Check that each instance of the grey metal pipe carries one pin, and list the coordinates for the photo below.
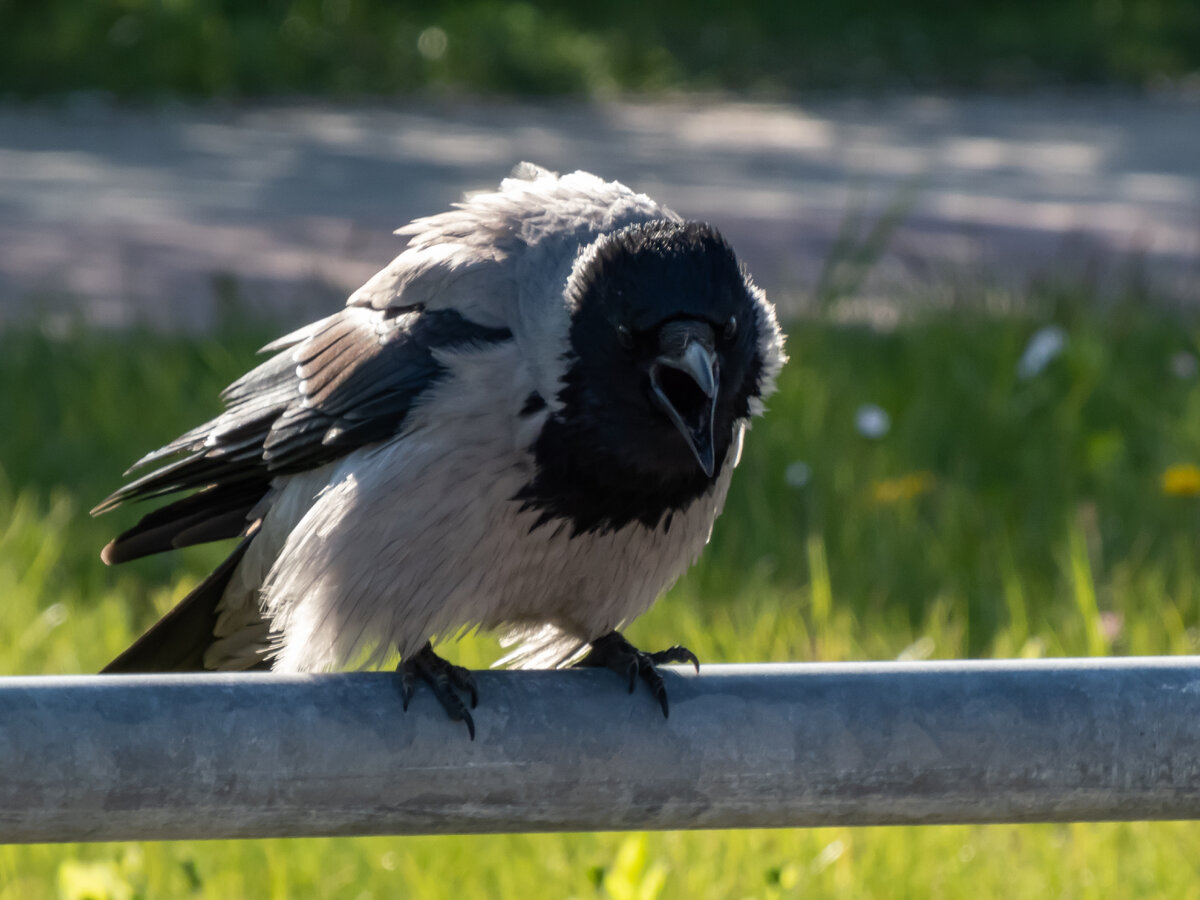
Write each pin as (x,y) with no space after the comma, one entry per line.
(228,756)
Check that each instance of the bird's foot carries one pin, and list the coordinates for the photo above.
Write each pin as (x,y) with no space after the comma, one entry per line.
(446,680)
(614,652)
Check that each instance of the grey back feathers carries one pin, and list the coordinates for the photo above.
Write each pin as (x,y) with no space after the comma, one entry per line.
(471,442)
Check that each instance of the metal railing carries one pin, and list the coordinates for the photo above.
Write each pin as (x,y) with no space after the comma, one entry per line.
(241,756)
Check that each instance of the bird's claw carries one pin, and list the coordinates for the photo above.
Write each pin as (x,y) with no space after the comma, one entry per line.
(446,681)
(676,654)
(613,651)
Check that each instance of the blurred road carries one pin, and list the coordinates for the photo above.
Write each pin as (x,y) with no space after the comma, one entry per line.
(149,215)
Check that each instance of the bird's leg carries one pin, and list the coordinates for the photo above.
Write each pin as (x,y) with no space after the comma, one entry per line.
(446,680)
(614,652)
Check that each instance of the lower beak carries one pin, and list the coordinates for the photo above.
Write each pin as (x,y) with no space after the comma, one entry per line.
(685,386)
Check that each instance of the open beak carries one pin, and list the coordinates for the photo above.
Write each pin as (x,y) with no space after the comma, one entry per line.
(685,386)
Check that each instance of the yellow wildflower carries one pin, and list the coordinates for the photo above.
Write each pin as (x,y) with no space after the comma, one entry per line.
(1181,480)
(894,490)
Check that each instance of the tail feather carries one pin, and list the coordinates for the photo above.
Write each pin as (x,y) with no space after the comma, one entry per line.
(177,642)
(213,514)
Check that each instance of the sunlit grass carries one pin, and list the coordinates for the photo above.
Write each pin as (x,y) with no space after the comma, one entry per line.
(1001,514)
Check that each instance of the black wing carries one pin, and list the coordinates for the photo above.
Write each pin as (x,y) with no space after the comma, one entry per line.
(177,642)
(337,385)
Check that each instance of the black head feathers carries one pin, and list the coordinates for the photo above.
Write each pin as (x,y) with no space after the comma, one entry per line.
(616,452)
(645,274)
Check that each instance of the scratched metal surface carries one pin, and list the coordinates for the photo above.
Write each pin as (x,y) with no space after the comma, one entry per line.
(227,756)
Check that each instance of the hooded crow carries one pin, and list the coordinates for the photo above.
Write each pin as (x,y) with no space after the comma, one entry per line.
(527,421)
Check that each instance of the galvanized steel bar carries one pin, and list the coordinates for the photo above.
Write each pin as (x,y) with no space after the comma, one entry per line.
(239,756)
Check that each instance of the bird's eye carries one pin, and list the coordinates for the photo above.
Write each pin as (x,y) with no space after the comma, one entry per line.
(625,336)
(730,328)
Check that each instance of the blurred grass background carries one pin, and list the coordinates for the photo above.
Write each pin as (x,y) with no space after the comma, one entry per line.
(999,514)
(1008,509)
(205,48)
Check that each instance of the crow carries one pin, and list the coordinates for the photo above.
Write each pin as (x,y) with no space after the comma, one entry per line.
(527,421)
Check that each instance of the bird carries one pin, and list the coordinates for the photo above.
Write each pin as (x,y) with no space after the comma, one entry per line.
(526,422)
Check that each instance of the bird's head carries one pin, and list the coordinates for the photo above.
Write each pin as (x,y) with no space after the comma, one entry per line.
(671,345)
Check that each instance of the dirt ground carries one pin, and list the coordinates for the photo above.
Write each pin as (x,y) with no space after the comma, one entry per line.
(154,215)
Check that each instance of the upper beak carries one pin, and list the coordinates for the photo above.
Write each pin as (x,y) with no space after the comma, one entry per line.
(685,384)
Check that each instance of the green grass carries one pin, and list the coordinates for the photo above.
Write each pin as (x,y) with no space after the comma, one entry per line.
(999,516)
(204,48)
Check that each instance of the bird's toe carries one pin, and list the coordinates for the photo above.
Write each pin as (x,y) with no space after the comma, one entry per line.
(676,654)
(613,651)
(445,679)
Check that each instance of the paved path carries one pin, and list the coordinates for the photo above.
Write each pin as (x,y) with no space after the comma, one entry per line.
(142,215)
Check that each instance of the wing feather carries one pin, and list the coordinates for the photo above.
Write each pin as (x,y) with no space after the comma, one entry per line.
(362,374)
(492,265)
